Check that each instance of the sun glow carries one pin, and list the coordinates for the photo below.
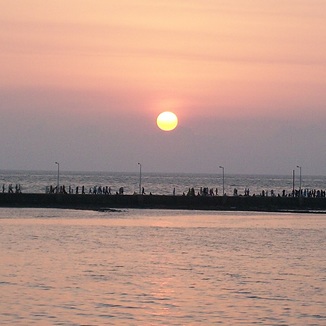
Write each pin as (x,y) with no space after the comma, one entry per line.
(167,121)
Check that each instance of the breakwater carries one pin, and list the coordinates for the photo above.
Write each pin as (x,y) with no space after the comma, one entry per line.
(106,202)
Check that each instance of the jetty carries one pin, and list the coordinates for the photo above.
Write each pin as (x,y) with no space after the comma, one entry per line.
(136,201)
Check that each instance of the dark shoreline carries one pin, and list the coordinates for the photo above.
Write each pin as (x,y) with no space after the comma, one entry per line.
(213,203)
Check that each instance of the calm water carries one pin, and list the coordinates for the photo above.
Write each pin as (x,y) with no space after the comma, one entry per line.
(151,267)
(158,183)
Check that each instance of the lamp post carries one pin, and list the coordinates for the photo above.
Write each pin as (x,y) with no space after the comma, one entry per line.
(58,176)
(293,183)
(222,167)
(139,178)
(299,167)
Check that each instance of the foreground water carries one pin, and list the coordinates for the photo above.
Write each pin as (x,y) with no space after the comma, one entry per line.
(151,267)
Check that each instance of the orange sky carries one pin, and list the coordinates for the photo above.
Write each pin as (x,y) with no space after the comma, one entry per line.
(202,59)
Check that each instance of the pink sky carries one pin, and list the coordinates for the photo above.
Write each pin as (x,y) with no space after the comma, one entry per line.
(83,82)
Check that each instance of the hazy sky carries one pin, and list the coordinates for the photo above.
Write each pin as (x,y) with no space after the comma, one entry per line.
(83,81)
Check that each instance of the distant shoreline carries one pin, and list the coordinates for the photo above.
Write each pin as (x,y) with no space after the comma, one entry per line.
(212,203)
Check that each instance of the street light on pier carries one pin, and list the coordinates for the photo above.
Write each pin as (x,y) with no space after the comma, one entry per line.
(58,176)
(293,183)
(300,182)
(222,167)
(139,178)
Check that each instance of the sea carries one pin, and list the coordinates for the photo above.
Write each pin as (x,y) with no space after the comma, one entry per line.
(160,267)
(159,183)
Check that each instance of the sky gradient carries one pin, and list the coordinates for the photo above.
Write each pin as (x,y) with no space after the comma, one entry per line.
(84,81)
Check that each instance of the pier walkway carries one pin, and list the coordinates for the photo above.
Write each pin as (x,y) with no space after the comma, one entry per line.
(106,202)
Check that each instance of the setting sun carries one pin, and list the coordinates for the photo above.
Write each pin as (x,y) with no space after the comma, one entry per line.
(167,121)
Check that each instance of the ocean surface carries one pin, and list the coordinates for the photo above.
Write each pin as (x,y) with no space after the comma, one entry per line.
(161,267)
(158,183)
